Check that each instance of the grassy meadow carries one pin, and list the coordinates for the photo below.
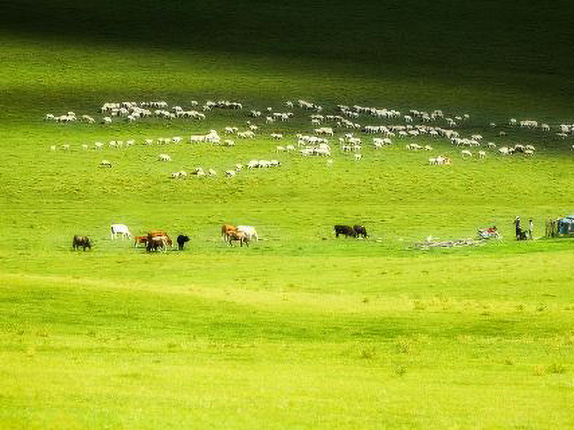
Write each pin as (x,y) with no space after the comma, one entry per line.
(300,330)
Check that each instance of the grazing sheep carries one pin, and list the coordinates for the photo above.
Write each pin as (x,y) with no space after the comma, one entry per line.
(105,163)
(466,153)
(481,154)
(245,134)
(358,157)
(197,138)
(199,172)
(230,173)
(163,157)
(179,175)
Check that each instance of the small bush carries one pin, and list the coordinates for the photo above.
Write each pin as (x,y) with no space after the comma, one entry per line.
(400,370)
(418,305)
(404,346)
(556,368)
(367,353)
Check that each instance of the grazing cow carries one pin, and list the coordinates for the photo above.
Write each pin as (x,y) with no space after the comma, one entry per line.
(360,231)
(81,242)
(120,229)
(140,240)
(345,230)
(156,243)
(226,230)
(237,236)
(161,233)
(181,240)
(249,231)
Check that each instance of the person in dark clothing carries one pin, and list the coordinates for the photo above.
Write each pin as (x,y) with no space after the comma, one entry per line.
(518,228)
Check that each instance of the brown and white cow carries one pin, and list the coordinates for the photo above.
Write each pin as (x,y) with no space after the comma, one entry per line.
(226,230)
(237,236)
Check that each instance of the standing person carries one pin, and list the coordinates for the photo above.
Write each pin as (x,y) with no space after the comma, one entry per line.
(518,228)
(530,228)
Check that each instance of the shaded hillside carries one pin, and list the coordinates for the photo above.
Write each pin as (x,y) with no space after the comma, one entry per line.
(503,35)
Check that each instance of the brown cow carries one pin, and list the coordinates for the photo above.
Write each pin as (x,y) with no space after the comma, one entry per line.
(156,233)
(81,242)
(156,243)
(238,236)
(140,240)
(226,230)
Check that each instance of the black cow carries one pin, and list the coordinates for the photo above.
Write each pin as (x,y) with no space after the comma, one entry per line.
(361,231)
(81,242)
(345,230)
(181,240)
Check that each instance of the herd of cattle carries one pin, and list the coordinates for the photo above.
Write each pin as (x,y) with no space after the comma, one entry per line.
(159,240)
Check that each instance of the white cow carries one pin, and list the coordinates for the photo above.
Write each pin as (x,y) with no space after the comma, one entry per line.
(249,231)
(120,229)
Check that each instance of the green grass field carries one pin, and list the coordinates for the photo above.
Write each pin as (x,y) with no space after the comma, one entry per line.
(300,330)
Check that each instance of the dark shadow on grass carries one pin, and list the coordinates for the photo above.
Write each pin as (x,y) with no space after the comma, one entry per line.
(490,34)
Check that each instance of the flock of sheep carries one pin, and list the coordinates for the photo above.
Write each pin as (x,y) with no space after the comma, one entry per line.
(319,140)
